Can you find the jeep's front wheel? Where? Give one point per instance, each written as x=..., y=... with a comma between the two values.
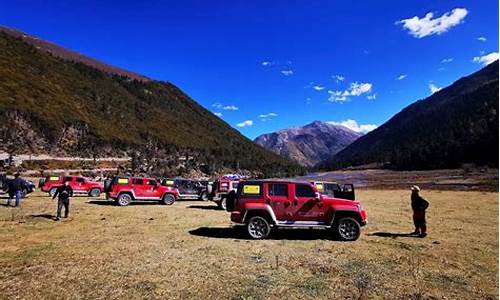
x=347, y=229
x=95, y=192
x=124, y=200
x=168, y=199
x=258, y=228
x=52, y=191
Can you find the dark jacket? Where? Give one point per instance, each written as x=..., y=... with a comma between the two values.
x=17, y=184
x=418, y=203
x=63, y=192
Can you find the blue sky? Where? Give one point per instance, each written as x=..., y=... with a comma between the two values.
x=268, y=65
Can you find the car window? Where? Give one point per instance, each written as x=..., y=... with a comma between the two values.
x=234, y=185
x=137, y=181
x=302, y=190
x=67, y=178
x=80, y=179
x=250, y=190
x=122, y=180
x=280, y=189
x=151, y=182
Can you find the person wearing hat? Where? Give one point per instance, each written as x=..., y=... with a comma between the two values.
x=418, y=205
x=16, y=187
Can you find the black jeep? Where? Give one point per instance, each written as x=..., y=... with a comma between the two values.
x=188, y=189
x=5, y=183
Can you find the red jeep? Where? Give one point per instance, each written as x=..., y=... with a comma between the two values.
x=124, y=190
x=79, y=184
x=219, y=190
x=266, y=204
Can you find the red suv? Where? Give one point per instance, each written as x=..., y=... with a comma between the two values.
x=124, y=190
x=266, y=204
x=219, y=190
x=79, y=184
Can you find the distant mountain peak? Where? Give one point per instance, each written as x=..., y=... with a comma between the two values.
x=309, y=144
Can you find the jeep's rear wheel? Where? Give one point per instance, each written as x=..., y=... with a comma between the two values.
x=258, y=228
x=168, y=199
x=203, y=196
x=124, y=200
x=347, y=229
x=222, y=204
x=95, y=192
x=52, y=191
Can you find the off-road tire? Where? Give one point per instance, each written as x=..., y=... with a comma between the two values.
x=258, y=228
x=52, y=191
x=124, y=200
x=168, y=199
x=95, y=192
x=203, y=197
x=347, y=229
x=222, y=204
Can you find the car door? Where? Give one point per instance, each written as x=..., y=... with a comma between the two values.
x=79, y=185
x=277, y=196
x=151, y=189
x=138, y=187
x=306, y=206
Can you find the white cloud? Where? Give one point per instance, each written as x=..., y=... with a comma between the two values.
x=428, y=25
x=486, y=59
x=308, y=100
x=218, y=114
x=225, y=107
x=338, y=78
x=371, y=97
x=318, y=87
x=402, y=76
x=268, y=115
x=441, y=69
x=447, y=60
x=245, y=123
x=356, y=89
x=288, y=72
x=354, y=126
x=434, y=88
x=481, y=39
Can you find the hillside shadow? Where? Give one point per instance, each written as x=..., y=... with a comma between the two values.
x=238, y=232
x=210, y=207
x=393, y=234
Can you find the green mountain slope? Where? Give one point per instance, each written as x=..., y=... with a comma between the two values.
x=55, y=106
x=454, y=126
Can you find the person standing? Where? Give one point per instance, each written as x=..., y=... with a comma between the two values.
x=16, y=187
x=63, y=194
x=419, y=205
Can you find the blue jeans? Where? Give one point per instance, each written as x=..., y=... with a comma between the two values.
x=18, y=195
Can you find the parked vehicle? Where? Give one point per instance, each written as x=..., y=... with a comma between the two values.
x=80, y=185
x=124, y=190
x=265, y=204
x=188, y=189
x=5, y=181
x=220, y=189
x=333, y=189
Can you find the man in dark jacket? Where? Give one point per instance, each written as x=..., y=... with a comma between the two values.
x=63, y=194
x=418, y=205
x=16, y=187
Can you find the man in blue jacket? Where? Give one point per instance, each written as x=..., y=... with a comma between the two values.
x=16, y=187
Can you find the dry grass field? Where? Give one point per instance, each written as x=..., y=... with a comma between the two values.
x=190, y=250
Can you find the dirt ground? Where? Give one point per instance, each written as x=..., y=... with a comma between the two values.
x=190, y=250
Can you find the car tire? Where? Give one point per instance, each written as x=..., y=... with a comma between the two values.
x=258, y=228
x=52, y=191
x=203, y=197
x=347, y=229
x=124, y=200
x=168, y=199
x=95, y=192
x=222, y=204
